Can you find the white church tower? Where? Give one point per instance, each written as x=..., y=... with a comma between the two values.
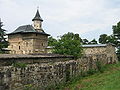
x=37, y=22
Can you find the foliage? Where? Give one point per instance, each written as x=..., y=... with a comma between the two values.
x=93, y=42
x=85, y=41
x=2, y=32
x=3, y=42
x=118, y=54
x=116, y=33
x=99, y=66
x=28, y=87
x=91, y=71
x=68, y=44
x=103, y=39
x=51, y=41
x=19, y=65
x=116, y=30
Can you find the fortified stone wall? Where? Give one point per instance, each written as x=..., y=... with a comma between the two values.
x=41, y=71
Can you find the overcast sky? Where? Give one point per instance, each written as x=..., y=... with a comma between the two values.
x=89, y=18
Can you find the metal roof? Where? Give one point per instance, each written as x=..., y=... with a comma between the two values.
x=27, y=29
x=95, y=45
x=50, y=47
x=37, y=16
x=90, y=45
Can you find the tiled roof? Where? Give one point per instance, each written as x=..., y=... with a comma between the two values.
x=27, y=29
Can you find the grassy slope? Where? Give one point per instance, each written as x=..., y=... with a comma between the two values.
x=108, y=80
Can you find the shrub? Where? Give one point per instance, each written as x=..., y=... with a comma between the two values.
x=91, y=71
x=19, y=65
x=99, y=66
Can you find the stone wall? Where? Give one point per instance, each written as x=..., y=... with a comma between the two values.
x=107, y=49
x=41, y=71
x=27, y=43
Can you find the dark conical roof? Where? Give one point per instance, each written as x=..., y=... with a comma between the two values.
x=37, y=16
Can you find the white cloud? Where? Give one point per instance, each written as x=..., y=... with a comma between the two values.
x=61, y=16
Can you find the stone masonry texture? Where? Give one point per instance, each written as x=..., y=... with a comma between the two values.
x=42, y=71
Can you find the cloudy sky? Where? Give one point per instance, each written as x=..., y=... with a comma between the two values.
x=89, y=18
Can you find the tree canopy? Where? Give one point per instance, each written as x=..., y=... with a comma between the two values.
x=93, y=42
x=2, y=32
x=68, y=44
x=3, y=42
x=103, y=39
x=51, y=41
x=85, y=41
x=116, y=33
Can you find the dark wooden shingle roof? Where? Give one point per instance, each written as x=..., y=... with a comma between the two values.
x=27, y=29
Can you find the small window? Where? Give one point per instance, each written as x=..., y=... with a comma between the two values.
x=19, y=47
x=42, y=44
x=36, y=34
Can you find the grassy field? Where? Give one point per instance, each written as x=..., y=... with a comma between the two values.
x=108, y=80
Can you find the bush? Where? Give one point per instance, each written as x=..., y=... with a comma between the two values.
x=99, y=66
x=91, y=71
x=19, y=65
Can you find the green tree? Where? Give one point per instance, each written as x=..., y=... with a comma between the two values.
x=51, y=41
x=2, y=32
x=3, y=42
x=103, y=39
x=93, y=42
x=116, y=33
x=85, y=41
x=69, y=44
x=112, y=39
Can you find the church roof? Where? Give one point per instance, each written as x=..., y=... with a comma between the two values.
x=37, y=16
x=97, y=45
x=27, y=29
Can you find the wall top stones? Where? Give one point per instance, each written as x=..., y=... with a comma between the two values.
x=20, y=56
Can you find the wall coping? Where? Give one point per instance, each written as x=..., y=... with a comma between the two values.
x=32, y=56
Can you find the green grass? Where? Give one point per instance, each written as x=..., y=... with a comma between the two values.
x=108, y=80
